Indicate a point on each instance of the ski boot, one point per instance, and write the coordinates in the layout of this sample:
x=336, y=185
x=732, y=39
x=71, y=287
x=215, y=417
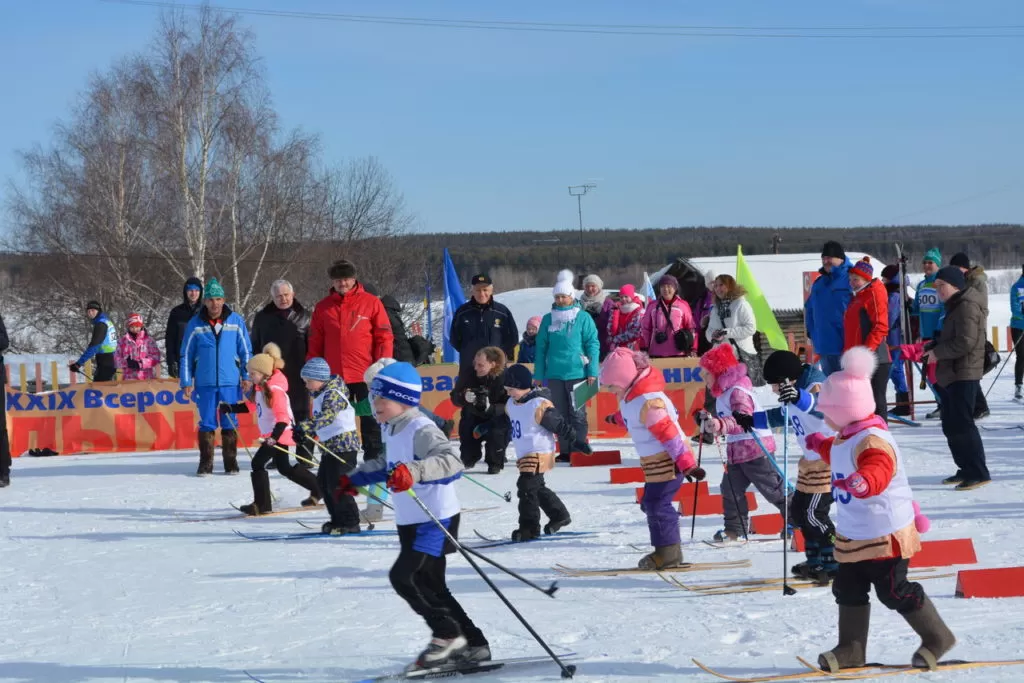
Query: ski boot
x=525, y=533
x=337, y=529
x=311, y=502
x=494, y=469
x=934, y=415
x=936, y=638
x=474, y=654
x=261, y=503
x=955, y=480
x=554, y=525
x=439, y=652
x=853, y=640
x=663, y=557
x=1018, y=393
x=726, y=536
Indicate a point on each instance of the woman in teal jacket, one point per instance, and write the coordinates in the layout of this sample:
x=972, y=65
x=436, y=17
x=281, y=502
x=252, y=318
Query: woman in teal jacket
x=567, y=354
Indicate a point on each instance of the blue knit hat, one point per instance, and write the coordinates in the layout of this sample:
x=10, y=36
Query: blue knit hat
x=316, y=369
x=398, y=382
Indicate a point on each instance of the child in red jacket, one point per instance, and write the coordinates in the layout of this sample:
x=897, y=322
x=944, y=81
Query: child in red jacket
x=877, y=521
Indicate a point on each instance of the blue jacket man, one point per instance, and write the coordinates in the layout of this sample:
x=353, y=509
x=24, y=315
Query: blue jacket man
x=827, y=304
x=102, y=344
x=214, y=353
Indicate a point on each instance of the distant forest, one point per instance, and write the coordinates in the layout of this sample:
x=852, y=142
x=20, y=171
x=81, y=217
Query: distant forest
x=525, y=259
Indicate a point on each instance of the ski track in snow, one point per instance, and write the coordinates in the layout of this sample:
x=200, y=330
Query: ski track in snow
x=102, y=581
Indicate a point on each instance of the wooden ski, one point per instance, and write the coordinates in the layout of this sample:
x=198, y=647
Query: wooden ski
x=769, y=584
x=800, y=675
x=687, y=567
x=890, y=670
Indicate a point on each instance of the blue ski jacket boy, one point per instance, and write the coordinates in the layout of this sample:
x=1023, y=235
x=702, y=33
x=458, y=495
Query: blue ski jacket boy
x=825, y=307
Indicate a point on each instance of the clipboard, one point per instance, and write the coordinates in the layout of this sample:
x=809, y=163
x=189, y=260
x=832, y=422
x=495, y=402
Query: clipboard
x=582, y=392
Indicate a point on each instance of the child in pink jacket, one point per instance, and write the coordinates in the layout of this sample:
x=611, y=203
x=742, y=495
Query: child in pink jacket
x=137, y=353
x=739, y=418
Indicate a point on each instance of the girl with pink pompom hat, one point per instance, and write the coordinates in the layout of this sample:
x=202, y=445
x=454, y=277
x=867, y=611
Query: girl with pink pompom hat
x=877, y=521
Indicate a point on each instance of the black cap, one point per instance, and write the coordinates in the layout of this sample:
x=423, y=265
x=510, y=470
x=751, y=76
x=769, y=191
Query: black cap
x=890, y=273
x=833, y=249
x=95, y=305
x=960, y=260
x=481, y=279
x=952, y=275
x=518, y=377
x=782, y=366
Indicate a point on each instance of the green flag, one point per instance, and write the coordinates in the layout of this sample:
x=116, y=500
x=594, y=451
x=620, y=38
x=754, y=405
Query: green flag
x=766, y=322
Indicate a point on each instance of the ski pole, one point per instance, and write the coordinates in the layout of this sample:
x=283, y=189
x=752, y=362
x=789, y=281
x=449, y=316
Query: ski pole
x=771, y=459
x=696, y=491
x=314, y=463
x=567, y=670
x=82, y=373
x=507, y=497
x=735, y=500
x=1003, y=367
x=786, y=588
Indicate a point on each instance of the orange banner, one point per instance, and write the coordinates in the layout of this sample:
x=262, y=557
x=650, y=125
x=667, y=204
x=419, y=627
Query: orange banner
x=154, y=415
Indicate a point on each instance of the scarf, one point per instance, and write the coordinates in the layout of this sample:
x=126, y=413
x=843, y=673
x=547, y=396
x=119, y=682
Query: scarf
x=629, y=307
x=593, y=304
x=563, y=317
x=860, y=425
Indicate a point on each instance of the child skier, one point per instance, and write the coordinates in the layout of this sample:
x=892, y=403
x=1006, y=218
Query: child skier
x=535, y=422
x=333, y=422
x=483, y=424
x=740, y=417
x=797, y=385
x=665, y=457
x=420, y=457
x=876, y=524
x=274, y=417
x=137, y=353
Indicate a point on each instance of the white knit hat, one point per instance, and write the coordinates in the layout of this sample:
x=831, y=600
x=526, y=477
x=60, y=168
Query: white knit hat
x=563, y=284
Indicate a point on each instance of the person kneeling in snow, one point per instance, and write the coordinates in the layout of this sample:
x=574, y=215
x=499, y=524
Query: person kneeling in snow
x=877, y=520
x=653, y=424
x=419, y=457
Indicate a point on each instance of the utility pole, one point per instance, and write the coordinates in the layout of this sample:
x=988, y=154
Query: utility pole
x=578, y=191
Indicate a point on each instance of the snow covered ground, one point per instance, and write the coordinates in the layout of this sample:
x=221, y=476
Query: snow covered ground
x=102, y=579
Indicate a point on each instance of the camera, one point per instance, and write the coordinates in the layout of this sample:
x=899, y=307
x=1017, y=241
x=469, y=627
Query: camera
x=660, y=337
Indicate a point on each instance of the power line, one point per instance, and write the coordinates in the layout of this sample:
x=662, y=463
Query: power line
x=668, y=30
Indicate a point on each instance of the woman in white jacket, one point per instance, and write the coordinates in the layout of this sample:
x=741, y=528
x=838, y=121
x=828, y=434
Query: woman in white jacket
x=732, y=320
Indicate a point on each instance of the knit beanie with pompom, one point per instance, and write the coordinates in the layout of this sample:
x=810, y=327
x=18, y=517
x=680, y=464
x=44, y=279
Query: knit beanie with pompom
x=846, y=396
x=265, y=363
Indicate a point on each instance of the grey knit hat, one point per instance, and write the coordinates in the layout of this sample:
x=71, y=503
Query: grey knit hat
x=316, y=369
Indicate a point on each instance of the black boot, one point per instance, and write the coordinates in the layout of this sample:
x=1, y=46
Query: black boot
x=229, y=450
x=663, y=557
x=936, y=638
x=261, y=504
x=902, y=404
x=525, y=533
x=853, y=640
x=205, y=454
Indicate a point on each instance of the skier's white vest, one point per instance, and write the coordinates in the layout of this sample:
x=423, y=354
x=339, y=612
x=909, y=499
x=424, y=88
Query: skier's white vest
x=439, y=498
x=657, y=464
x=862, y=519
x=535, y=446
x=344, y=421
x=723, y=407
x=265, y=414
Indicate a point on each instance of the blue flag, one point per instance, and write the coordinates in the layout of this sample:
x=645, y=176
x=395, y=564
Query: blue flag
x=453, y=298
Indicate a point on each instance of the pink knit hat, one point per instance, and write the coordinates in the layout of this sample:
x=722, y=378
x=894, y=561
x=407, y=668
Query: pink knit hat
x=627, y=291
x=846, y=395
x=621, y=367
x=535, y=321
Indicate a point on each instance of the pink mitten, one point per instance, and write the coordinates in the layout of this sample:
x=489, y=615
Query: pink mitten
x=855, y=484
x=922, y=523
x=815, y=440
x=712, y=425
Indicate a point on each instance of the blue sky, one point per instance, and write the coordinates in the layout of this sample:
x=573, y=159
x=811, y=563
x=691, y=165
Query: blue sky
x=484, y=130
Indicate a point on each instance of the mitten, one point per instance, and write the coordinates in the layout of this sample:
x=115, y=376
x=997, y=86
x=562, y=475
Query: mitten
x=696, y=474
x=345, y=487
x=363, y=408
x=481, y=430
x=855, y=484
x=789, y=394
x=400, y=478
x=746, y=422
x=712, y=425
x=814, y=441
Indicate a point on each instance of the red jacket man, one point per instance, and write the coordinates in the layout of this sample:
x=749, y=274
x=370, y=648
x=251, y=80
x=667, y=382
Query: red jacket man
x=866, y=323
x=351, y=331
